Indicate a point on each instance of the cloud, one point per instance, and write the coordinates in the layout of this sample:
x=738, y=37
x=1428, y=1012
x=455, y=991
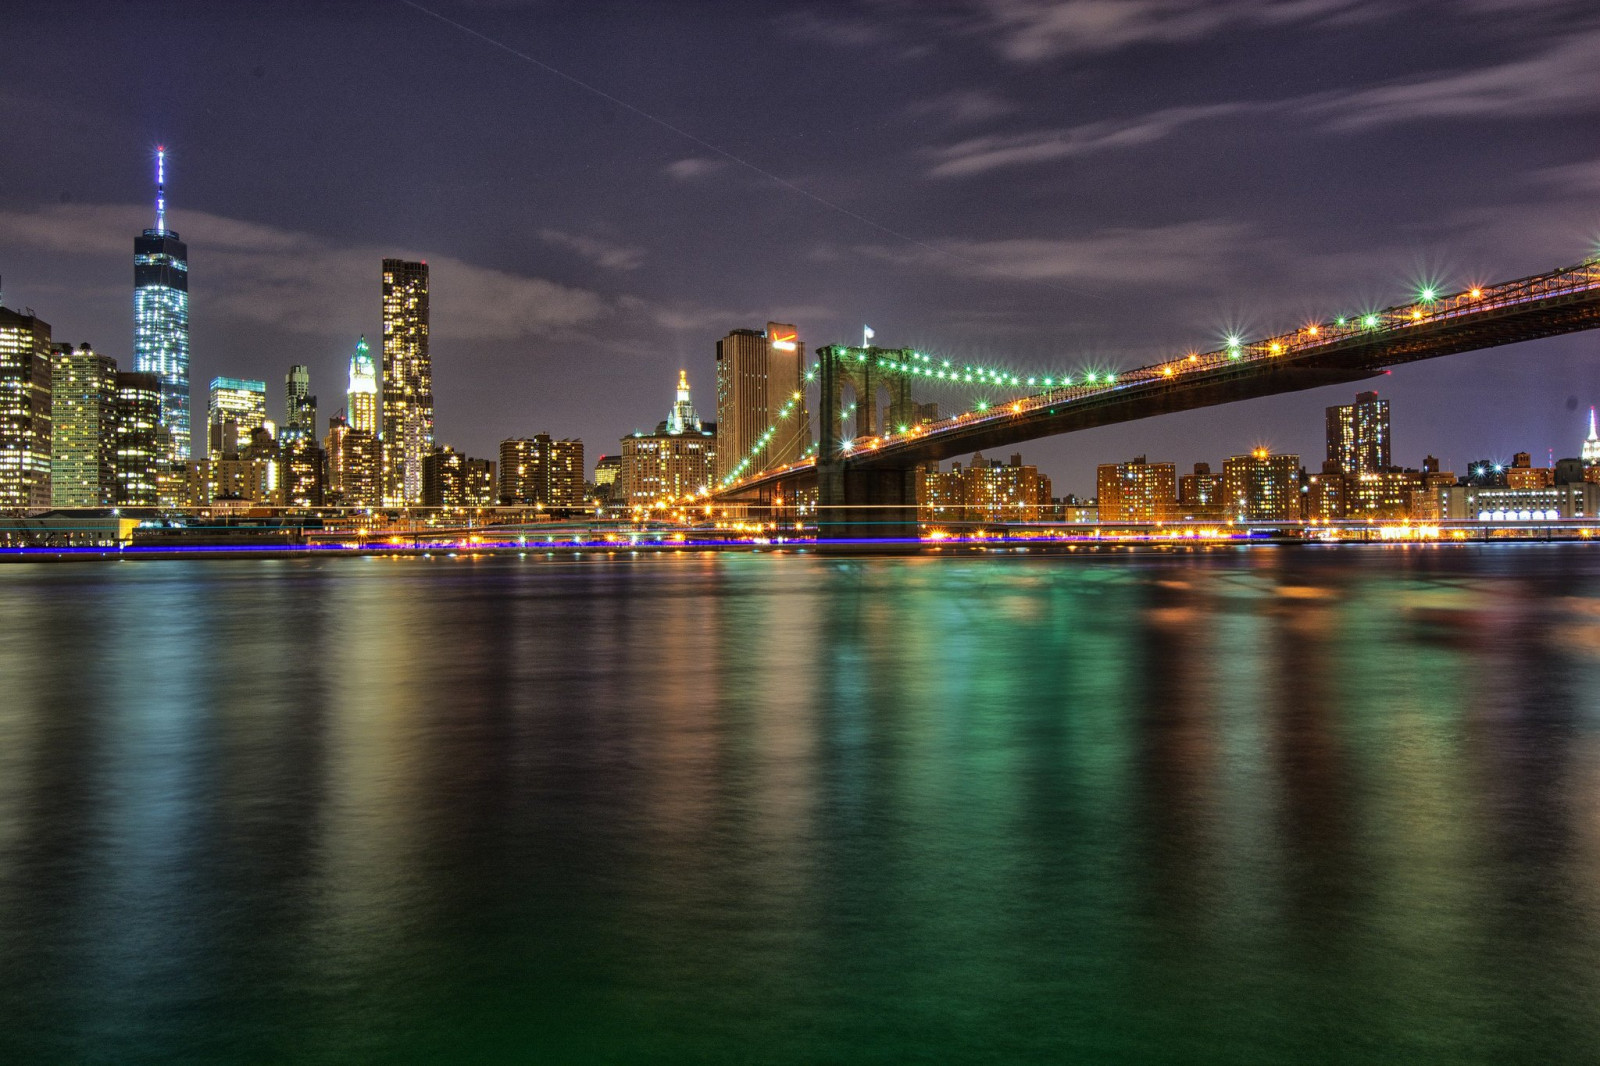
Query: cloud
x=1034, y=30
x=268, y=276
x=979, y=154
x=694, y=168
x=1174, y=254
x=830, y=29
x=600, y=252
x=1562, y=79
x=963, y=106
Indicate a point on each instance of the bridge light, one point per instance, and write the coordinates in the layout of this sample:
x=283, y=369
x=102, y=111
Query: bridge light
x=1312, y=330
x=1427, y=295
x=983, y=405
x=1415, y=314
x=1276, y=347
x=1193, y=358
x=1371, y=320
x=1234, y=340
x=1339, y=321
x=1166, y=371
x=1476, y=293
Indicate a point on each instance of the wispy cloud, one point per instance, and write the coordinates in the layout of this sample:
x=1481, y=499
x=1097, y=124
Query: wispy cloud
x=599, y=252
x=832, y=28
x=693, y=168
x=1167, y=254
x=1033, y=30
x=1564, y=78
x=979, y=154
x=257, y=274
x=963, y=106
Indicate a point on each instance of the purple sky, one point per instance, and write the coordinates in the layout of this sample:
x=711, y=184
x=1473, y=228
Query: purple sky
x=1040, y=185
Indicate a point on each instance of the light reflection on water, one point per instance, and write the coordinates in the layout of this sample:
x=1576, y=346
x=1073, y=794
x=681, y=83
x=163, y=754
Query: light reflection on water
x=1243, y=807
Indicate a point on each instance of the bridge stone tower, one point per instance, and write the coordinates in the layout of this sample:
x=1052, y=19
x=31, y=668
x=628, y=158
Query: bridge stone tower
x=855, y=503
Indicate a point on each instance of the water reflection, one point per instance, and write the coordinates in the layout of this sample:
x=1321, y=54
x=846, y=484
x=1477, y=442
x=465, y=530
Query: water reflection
x=1257, y=807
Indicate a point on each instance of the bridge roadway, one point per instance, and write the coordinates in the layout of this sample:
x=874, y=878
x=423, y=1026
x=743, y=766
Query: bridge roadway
x=868, y=486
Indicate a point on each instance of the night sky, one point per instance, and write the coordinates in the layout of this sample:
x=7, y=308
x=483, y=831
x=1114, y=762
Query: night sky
x=1042, y=185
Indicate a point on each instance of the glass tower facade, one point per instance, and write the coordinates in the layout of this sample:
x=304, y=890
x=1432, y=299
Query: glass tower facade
x=161, y=317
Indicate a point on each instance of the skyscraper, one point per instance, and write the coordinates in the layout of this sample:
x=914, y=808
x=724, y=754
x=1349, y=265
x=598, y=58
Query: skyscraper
x=238, y=407
x=137, y=438
x=407, y=381
x=24, y=410
x=161, y=316
x=1358, y=435
x=83, y=416
x=300, y=407
x=758, y=371
x=361, y=400
x=1591, y=446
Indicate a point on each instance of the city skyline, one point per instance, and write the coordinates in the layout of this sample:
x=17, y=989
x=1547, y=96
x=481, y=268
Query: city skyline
x=1152, y=231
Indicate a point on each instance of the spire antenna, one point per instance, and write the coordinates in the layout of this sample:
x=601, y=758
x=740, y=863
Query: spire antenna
x=161, y=188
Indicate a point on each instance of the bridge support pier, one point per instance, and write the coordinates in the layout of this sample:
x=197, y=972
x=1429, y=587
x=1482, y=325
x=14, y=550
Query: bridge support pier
x=855, y=504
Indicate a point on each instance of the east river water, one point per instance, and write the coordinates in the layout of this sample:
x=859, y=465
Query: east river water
x=1260, y=806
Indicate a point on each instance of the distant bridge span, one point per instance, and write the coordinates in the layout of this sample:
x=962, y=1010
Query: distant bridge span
x=876, y=474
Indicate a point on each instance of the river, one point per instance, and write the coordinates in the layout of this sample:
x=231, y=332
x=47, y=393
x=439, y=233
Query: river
x=1262, y=805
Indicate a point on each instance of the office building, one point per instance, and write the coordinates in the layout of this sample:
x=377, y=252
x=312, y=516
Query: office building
x=758, y=372
x=607, y=475
x=361, y=401
x=1200, y=494
x=24, y=411
x=1325, y=496
x=678, y=459
x=565, y=471
x=1382, y=495
x=1490, y=503
x=238, y=407
x=407, y=381
x=302, y=469
x=540, y=471
x=161, y=317
x=361, y=477
x=83, y=420
x=1137, y=491
x=299, y=406
x=524, y=470
x=139, y=457
x=1358, y=435
x=1261, y=487
x=333, y=451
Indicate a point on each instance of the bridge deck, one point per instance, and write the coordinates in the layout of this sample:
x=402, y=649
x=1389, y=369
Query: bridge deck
x=1545, y=305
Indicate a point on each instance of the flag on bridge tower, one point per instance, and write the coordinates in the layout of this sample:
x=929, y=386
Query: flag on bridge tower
x=866, y=336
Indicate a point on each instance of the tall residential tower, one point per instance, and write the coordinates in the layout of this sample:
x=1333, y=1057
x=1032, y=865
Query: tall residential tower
x=161, y=316
x=407, y=381
x=1358, y=435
